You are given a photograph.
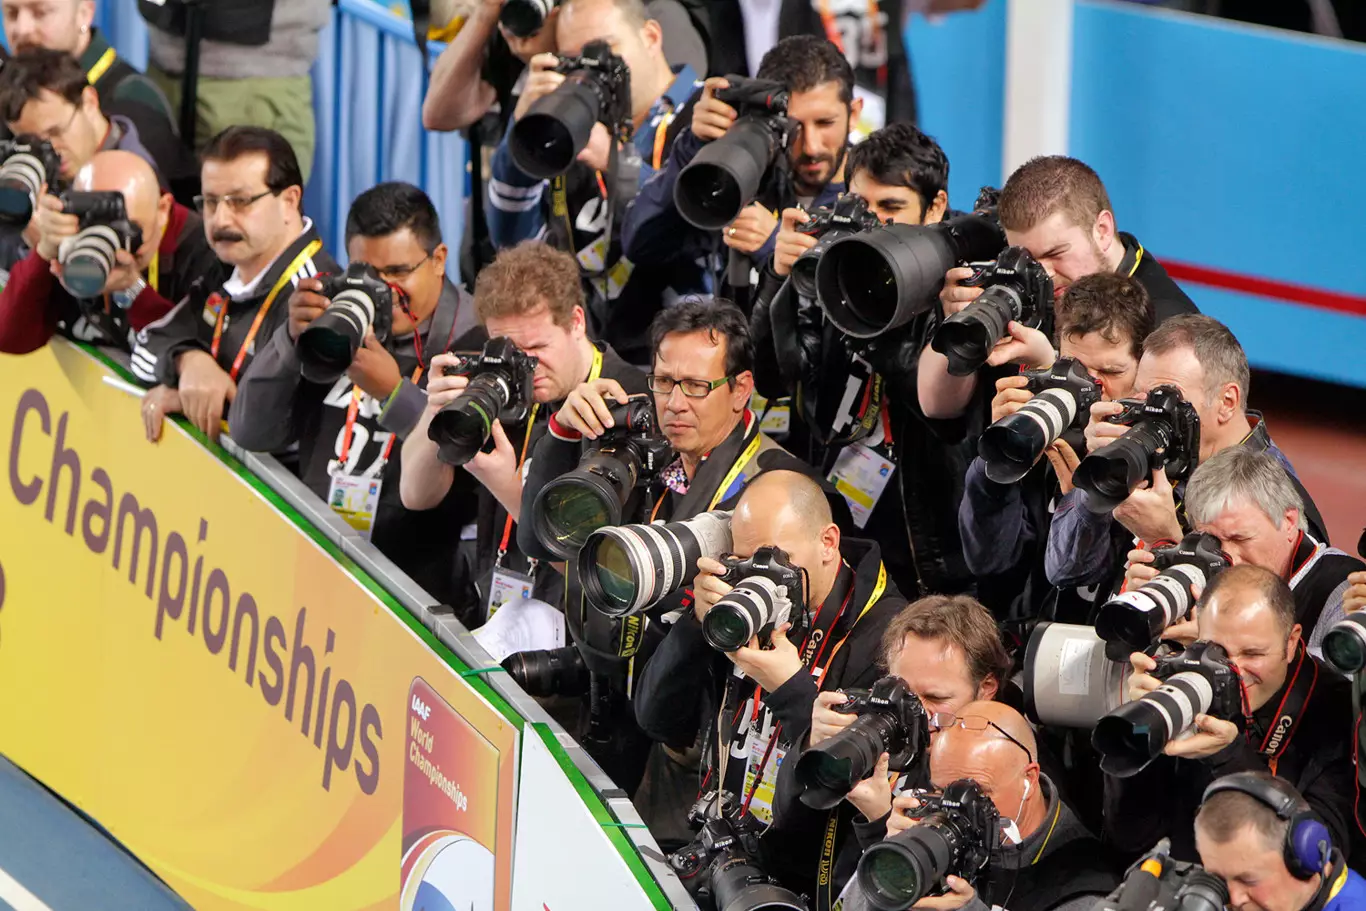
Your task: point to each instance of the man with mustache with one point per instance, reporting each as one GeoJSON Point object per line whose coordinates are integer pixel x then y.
{"type": "Point", "coordinates": [821, 105]}
{"type": "Point", "coordinates": [198, 352]}
{"type": "Point", "coordinates": [1297, 723]}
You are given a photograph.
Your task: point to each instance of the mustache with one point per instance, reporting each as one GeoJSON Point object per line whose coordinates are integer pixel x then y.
{"type": "Point", "coordinates": [821, 159]}
{"type": "Point", "coordinates": [226, 236]}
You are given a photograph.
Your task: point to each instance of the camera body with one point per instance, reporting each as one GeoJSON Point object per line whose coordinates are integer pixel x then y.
{"type": "Point", "coordinates": [908, 722]}
{"type": "Point", "coordinates": [1164, 433]}
{"type": "Point", "coordinates": [1063, 396]}
{"type": "Point", "coordinates": [500, 388]}
{"type": "Point", "coordinates": [26, 164]}
{"type": "Point", "coordinates": [359, 302]}
{"type": "Point", "coordinates": [1210, 661]}
{"type": "Point", "coordinates": [767, 592]}
{"type": "Point", "coordinates": [90, 255]}
{"type": "Point", "coordinates": [1134, 620]}
{"type": "Point", "coordinates": [361, 278]}
{"type": "Point", "coordinates": [719, 868]}
{"type": "Point", "coordinates": [1017, 287]}
{"type": "Point", "coordinates": [847, 215]}
{"type": "Point", "coordinates": [605, 73]}
{"type": "Point", "coordinates": [755, 97]}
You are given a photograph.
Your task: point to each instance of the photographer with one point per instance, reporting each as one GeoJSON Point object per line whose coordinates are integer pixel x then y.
{"type": "Point", "coordinates": [901, 175]}
{"type": "Point", "coordinates": [823, 109]}
{"type": "Point", "coordinates": [1258, 834]}
{"type": "Point", "coordinates": [1297, 723]}
{"type": "Point", "coordinates": [197, 353]}
{"type": "Point", "coordinates": [580, 210]}
{"type": "Point", "coordinates": [1199, 357]}
{"type": "Point", "coordinates": [172, 253]}
{"type": "Point", "coordinates": [1247, 500]}
{"type": "Point", "coordinates": [351, 430]}
{"type": "Point", "coordinates": [1044, 858]}
{"type": "Point", "coordinates": [761, 695]}
{"type": "Point", "coordinates": [531, 295]}
{"type": "Point", "coordinates": [1102, 321]}
{"type": "Point", "coordinates": [1057, 209]}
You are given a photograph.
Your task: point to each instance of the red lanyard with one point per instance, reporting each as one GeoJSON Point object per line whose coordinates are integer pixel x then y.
{"type": "Point", "coordinates": [521, 459]}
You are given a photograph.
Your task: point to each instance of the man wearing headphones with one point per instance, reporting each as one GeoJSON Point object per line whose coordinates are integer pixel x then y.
{"type": "Point", "coordinates": [1275, 853]}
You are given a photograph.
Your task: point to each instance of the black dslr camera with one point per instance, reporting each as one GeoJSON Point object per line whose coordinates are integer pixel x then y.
{"type": "Point", "coordinates": [1133, 621]}
{"type": "Point", "coordinates": [956, 835]}
{"type": "Point", "coordinates": [1201, 680]}
{"type": "Point", "coordinates": [548, 138]}
{"type": "Point", "coordinates": [1156, 882]}
{"type": "Point", "coordinates": [1063, 396]}
{"type": "Point", "coordinates": [720, 868]}
{"type": "Point", "coordinates": [26, 164]}
{"type": "Point", "coordinates": [890, 720]}
{"type": "Point", "coordinates": [89, 256]}
{"type": "Point", "coordinates": [500, 389]}
{"type": "Point", "coordinates": [1164, 432]}
{"type": "Point", "coordinates": [361, 301]}
{"type": "Point", "coordinates": [726, 175]}
{"type": "Point", "coordinates": [624, 459]}
{"type": "Point", "coordinates": [1017, 288]}
{"type": "Point", "coordinates": [768, 592]}
{"type": "Point", "coordinates": [849, 215]}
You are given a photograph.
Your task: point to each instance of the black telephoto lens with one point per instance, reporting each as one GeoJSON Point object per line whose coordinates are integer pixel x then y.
{"type": "Point", "coordinates": [737, 884]}
{"type": "Point", "coordinates": [829, 770]}
{"type": "Point", "coordinates": [573, 506]}
{"type": "Point", "coordinates": [899, 871]}
{"type": "Point", "coordinates": [967, 337]}
{"type": "Point", "coordinates": [1110, 474]}
{"type": "Point", "coordinates": [550, 672]}
{"type": "Point", "coordinates": [1202, 891]}
{"type": "Point", "coordinates": [462, 428]}
{"type": "Point", "coordinates": [549, 137]}
{"type": "Point", "coordinates": [724, 177]}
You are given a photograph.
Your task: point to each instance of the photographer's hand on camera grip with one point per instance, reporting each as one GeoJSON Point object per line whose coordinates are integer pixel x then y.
{"type": "Point", "coordinates": [585, 409]}
{"type": "Point", "coordinates": [1011, 394]}
{"type": "Point", "coordinates": [711, 118]}
{"type": "Point", "coordinates": [751, 229]}
{"type": "Point", "coordinates": [790, 243]}
{"type": "Point", "coordinates": [374, 369]}
{"type": "Point", "coordinates": [1027, 347]}
{"type": "Point", "coordinates": [1100, 431]}
{"type": "Point", "coordinates": [826, 718]}
{"type": "Point", "coordinates": [54, 226]}
{"type": "Point", "coordinates": [1355, 597]}
{"type": "Point", "coordinates": [956, 296]}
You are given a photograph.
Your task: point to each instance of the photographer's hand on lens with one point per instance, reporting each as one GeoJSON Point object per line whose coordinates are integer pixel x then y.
{"type": "Point", "coordinates": [498, 466]}
{"type": "Point", "coordinates": [1099, 431]}
{"type": "Point", "coordinates": [585, 409]}
{"type": "Point", "coordinates": [707, 587]}
{"type": "Point", "coordinates": [125, 273]}
{"type": "Point", "coordinates": [955, 296]}
{"type": "Point", "coordinates": [1027, 347]}
{"type": "Point", "coordinates": [826, 718]}
{"type": "Point", "coordinates": [790, 243]}
{"type": "Point", "coordinates": [541, 80]}
{"type": "Point", "coordinates": [873, 795]}
{"type": "Point", "coordinates": [599, 148]}
{"type": "Point", "coordinates": [374, 370]}
{"type": "Point", "coordinates": [156, 404]}
{"type": "Point", "coordinates": [901, 820]}
{"type": "Point", "coordinates": [54, 226]}
{"type": "Point", "coordinates": [751, 229]}
{"type": "Point", "coordinates": [1064, 460]}
{"type": "Point", "coordinates": [305, 305]}
{"type": "Point", "coordinates": [769, 667]}
{"type": "Point", "coordinates": [1211, 735]}
{"type": "Point", "coordinates": [205, 391]}
{"type": "Point", "coordinates": [712, 118]}
{"type": "Point", "coordinates": [1139, 570]}
{"type": "Point", "coordinates": [1150, 512]}
{"type": "Point", "coordinates": [959, 894]}
{"type": "Point", "coordinates": [1355, 597]}
{"type": "Point", "coordinates": [1011, 394]}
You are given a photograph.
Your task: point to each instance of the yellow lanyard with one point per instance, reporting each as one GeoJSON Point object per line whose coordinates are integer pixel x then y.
{"type": "Point", "coordinates": [101, 66]}
{"type": "Point", "coordinates": [280, 283]}
{"type": "Point", "coordinates": [738, 467]}
{"type": "Point", "coordinates": [154, 271]}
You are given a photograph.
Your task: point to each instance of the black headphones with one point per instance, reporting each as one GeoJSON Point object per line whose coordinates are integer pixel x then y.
{"type": "Point", "coordinates": [1308, 844]}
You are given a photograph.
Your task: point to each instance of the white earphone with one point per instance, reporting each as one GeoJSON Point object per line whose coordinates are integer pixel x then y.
{"type": "Point", "coordinates": [1026, 788]}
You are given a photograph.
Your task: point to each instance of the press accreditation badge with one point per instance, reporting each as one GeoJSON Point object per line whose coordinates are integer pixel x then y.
{"type": "Point", "coordinates": [355, 499]}
{"type": "Point", "coordinates": [507, 587]}
{"type": "Point", "coordinates": [761, 803]}
{"type": "Point", "coordinates": [861, 474]}
{"type": "Point", "coordinates": [775, 415]}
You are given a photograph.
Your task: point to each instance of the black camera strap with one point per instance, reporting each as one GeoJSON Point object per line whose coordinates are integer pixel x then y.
{"type": "Point", "coordinates": [1304, 676]}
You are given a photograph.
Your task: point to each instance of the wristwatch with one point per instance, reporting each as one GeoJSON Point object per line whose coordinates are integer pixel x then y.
{"type": "Point", "coordinates": [124, 299]}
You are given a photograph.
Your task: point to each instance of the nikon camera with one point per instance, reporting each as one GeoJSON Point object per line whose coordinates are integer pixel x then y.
{"type": "Point", "coordinates": [361, 302]}
{"type": "Point", "coordinates": [1063, 396]}
{"type": "Point", "coordinates": [629, 455]}
{"type": "Point", "coordinates": [1164, 432]}
{"type": "Point", "coordinates": [720, 868]}
{"type": "Point", "coordinates": [847, 215]}
{"type": "Point", "coordinates": [890, 720]}
{"type": "Point", "coordinates": [548, 138]}
{"type": "Point", "coordinates": [500, 389]}
{"type": "Point", "coordinates": [956, 835]}
{"type": "Point", "coordinates": [88, 256]}
{"type": "Point", "coordinates": [1016, 288]}
{"type": "Point", "coordinates": [1156, 882]}
{"type": "Point", "coordinates": [726, 174]}
{"type": "Point", "coordinates": [1134, 620]}
{"type": "Point", "coordinates": [26, 164]}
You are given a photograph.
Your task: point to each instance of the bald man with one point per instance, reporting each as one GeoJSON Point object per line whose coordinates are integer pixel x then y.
{"type": "Point", "coordinates": [173, 253]}
{"type": "Point", "coordinates": [1045, 859]}
{"type": "Point", "coordinates": [766, 707]}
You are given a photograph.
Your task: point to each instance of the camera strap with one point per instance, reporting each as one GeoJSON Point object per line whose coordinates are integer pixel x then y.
{"type": "Point", "coordinates": [1286, 720]}
{"type": "Point", "coordinates": [737, 469]}
{"type": "Point", "coordinates": [284, 279]}
{"type": "Point", "coordinates": [101, 66]}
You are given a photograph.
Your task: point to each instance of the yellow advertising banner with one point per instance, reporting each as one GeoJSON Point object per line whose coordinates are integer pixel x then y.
{"type": "Point", "coordinates": [192, 668]}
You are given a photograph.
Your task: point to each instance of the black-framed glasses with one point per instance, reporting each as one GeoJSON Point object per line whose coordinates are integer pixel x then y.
{"type": "Point", "coordinates": [58, 132]}
{"type": "Point", "coordinates": [399, 273]}
{"type": "Point", "coordinates": [210, 204]}
{"type": "Point", "coordinates": [692, 388]}
{"type": "Point", "coordinates": [942, 720]}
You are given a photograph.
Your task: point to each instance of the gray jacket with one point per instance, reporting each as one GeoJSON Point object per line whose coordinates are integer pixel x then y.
{"type": "Point", "coordinates": [292, 48]}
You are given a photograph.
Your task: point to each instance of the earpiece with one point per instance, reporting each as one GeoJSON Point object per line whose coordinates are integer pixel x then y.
{"type": "Point", "coordinates": [1026, 789]}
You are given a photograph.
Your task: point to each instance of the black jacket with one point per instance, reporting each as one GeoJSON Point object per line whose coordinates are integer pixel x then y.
{"type": "Point", "coordinates": [1318, 579]}
{"type": "Point", "coordinates": [681, 689]}
{"type": "Point", "coordinates": [1161, 801]}
{"type": "Point", "coordinates": [275, 407]}
{"type": "Point", "coordinates": [190, 323]}
{"type": "Point", "coordinates": [1167, 297]}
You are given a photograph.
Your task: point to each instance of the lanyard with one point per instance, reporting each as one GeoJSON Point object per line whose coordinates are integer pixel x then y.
{"type": "Point", "coordinates": [101, 66]}
{"type": "Point", "coordinates": [1278, 738]}
{"type": "Point", "coordinates": [154, 270]}
{"type": "Point", "coordinates": [593, 373]}
{"type": "Point", "coordinates": [661, 133]}
{"type": "Point", "coordinates": [737, 468]}
{"type": "Point", "coordinates": [279, 286]}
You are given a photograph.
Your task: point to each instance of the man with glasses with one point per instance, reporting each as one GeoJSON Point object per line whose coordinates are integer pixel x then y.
{"type": "Point", "coordinates": [173, 254]}
{"type": "Point", "coordinates": [1044, 858]}
{"type": "Point", "coordinates": [265, 246]}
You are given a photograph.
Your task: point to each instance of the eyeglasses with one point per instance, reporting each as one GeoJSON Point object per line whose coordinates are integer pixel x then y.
{"type": "Point", "coordinates": [58, 132]}
{"type": "Point", "coordinates": [940, 721]}
{"type": "Point", "coordinates": [399, 273]}
{"type": "Point", "coordinates": [210, 204]}
{"type": "Point", "coordinates": [693, 389]}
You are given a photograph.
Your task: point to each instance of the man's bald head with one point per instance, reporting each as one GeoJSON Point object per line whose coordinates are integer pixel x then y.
{"type": "Point", "coordinates": [787, 509]}
{"type": "Point", "coordinates": [1005, 768]}
{"type": "Point", "coordinates": [123, 172]}
{"type": "Point", "coordinates": [791, 494]}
